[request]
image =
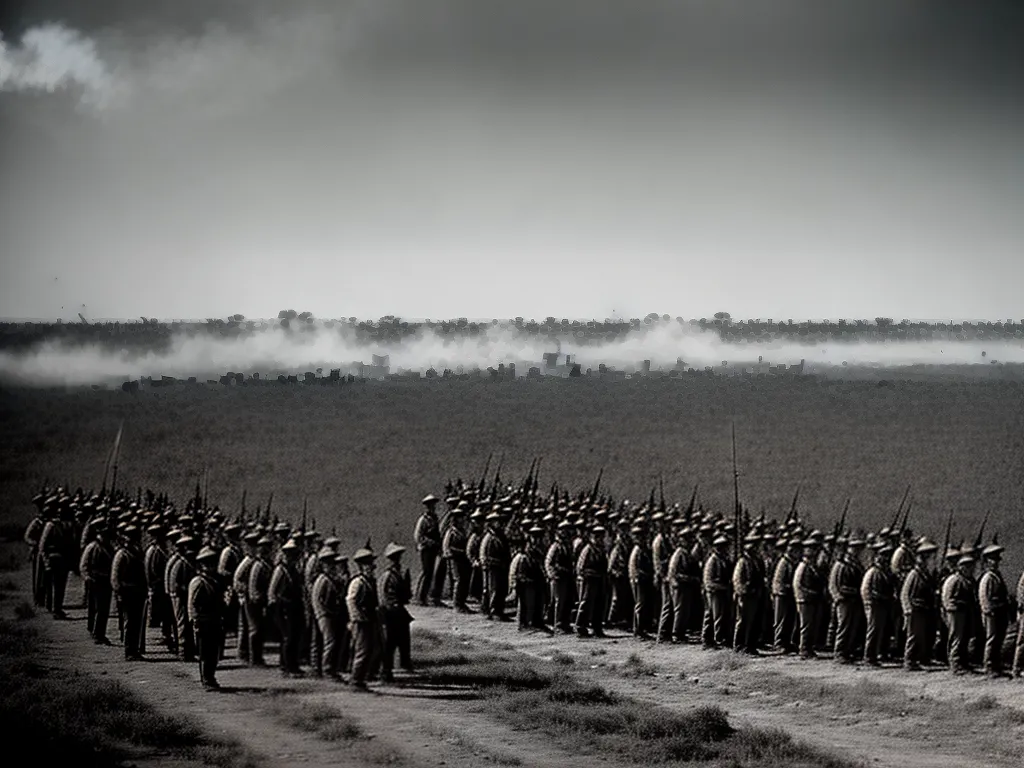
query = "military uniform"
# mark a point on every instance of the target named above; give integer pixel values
(684, 578)
(877, 594)
(427, 536)
(917, 600)
(642, 580)
(526, 577)
(206, 615)
(591, 573)
(558, 566)
(328, 604)
(476, 574)
(957, 604)
(453, 548)
(363, 607)
(240, 588)
(717, 580)
(55, 546)
(128, 582)
(620, 610)
(494, 557)
(180, 574)
(995, 607)
(809, 591)
(159, 609)
(33, 533)
(284, 601)
(747, 587)
(256, 607)
(95, 568)
(784, 604)
(844, 587)
(230, 557)
(394, 595)
(661, 553)
(1018, 653)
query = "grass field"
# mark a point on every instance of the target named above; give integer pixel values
(366, 453)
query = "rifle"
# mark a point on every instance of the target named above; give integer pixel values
(597, 485)
(899, 510)
(266, 512)
(949, 530)
(528, 482)
(906, 516)
(243, 505)
(111, 457)
(693, 502)
(483, 478)
(736, 492)
(305, 506)
(497, 476)
(981, 531)
(661, 490)
(793, 514)
(836, 533)
(650, 500)
(206, 486)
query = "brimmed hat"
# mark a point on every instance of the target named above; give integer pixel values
(492, 517)
(812, 542)
(926, 547)
(536, 531)
(251, 538)
(332, 541)
(992, 551)
(966, 560)
(364, 555)
(720, 540)
(392, 550)
(430, 499)
(207, 553)
(597, 529)
(184, 541)
(265, 541)
(856, 542)
(326, 555)
(289, 546)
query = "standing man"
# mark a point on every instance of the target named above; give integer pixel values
(240, 587)
(995, 610)
(844, 586)
(33, 534)
(527, 577)
(181, 571)
(559, 568)
(494, 556)
(54, 545)
(206, 614)
(454, 550)
(228, 560)
(159, 604)
(661, 553)
(284, 600)
(783, 600)
(877, 594)
(476, 574)
(917, 598)
(428, 543)
(748, 588)
(809, 591)
(591, 573)
(717, 586)
(958, 606)
(620, 612)
(684, 580)
(394, 597)
(642, 581)
(1018, 652)
(256, 599)
(128, 581)
(95, 567)
(363, 608)
(327, 602)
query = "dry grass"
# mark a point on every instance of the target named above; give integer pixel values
(327, 722)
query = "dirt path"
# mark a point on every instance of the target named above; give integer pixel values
(754, 691)
(412, 725)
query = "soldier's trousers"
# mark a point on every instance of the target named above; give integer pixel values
(916, 626)
(620, 611)
(1018, 651)
(289, 620)
(90, 612)
(460, 570)
(243, 631)
(306, 634)
(396, 638)
(186, 638)
(681, 605)
(940, 650)
(476, 582)
(497, 590)
(959, 623)
(666, 618)
(642, 593)
(208, 644)
(332, 641)
(590, 614)
(134, 607)
(562, 600)
(877, 635)
(366, 650)
(428, 558)
(99, 609)
(58, 585)
(715, 630)
(995, 634)
(808, 614)
(531, 605)
(41, 585)
(440, 580)
(785, 623)
(848, 613)
(161, 614)
(256, 617)
(746, 634)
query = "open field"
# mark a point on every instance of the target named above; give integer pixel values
(366, 453)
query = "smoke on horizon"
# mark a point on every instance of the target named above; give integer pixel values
(278, 351)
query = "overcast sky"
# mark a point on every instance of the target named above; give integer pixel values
(443, 158)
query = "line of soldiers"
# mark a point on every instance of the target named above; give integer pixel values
(200, 577)
(580, 564)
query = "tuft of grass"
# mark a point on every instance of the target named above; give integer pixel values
(24, 610)
(563, 658)
(635, 666)
(327, 722)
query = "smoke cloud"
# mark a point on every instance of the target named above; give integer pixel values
(277, 351)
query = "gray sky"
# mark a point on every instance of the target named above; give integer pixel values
(438, 158)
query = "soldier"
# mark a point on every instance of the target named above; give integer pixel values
(620, 612)
(284, 602)
(395, 592)
(363, 607)
(940, 620)
(808, 591)
(328, 609)
(494, 557)
(684, 577)
(159, 608)
(661, 552)
(256, 599)
(1018, 653)
(844, 586)
(995, 609)
(958, 606)
(454, 550)
(229, 558)
(717, 588)
(95, 567)
(180, 572)
(476, 535)
(428, 543)
(128, 581)
(591, 573)
(206, 614)
(783, 601)
(770, 553)
(559, 566)
(33, 534)
(903, 561)
(526, 577)
(917, 600)
(747, 587)
(642, 582)
(54, 545)
(240, 588)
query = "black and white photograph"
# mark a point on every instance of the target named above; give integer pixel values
(541, 383)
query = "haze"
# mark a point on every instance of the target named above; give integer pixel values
(444, 158)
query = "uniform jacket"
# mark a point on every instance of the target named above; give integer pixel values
(526, 569)
(361, 599)
(128, 572)
(394, 593)
(918, 592)
(473, 547)
(33, 533)
(782, 578)
(427, 534)
(454, 545)
(808, 586)
(204, 600)
(240, 578)
(957, 594)
(877, 586)
(558, 563)
(903, 560)
(230, 557)
(285, 586)
(992, 595)
(155, 562)
(844, 580)
(747, 578)
(717, 574)
(181, 573)
(683, 568)
(592, 563)
(494, 550)
(259, 582)
(618, 559)
(96, 563)
(641, 565)
(54, 542)
(326, 598)
(661, 553)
